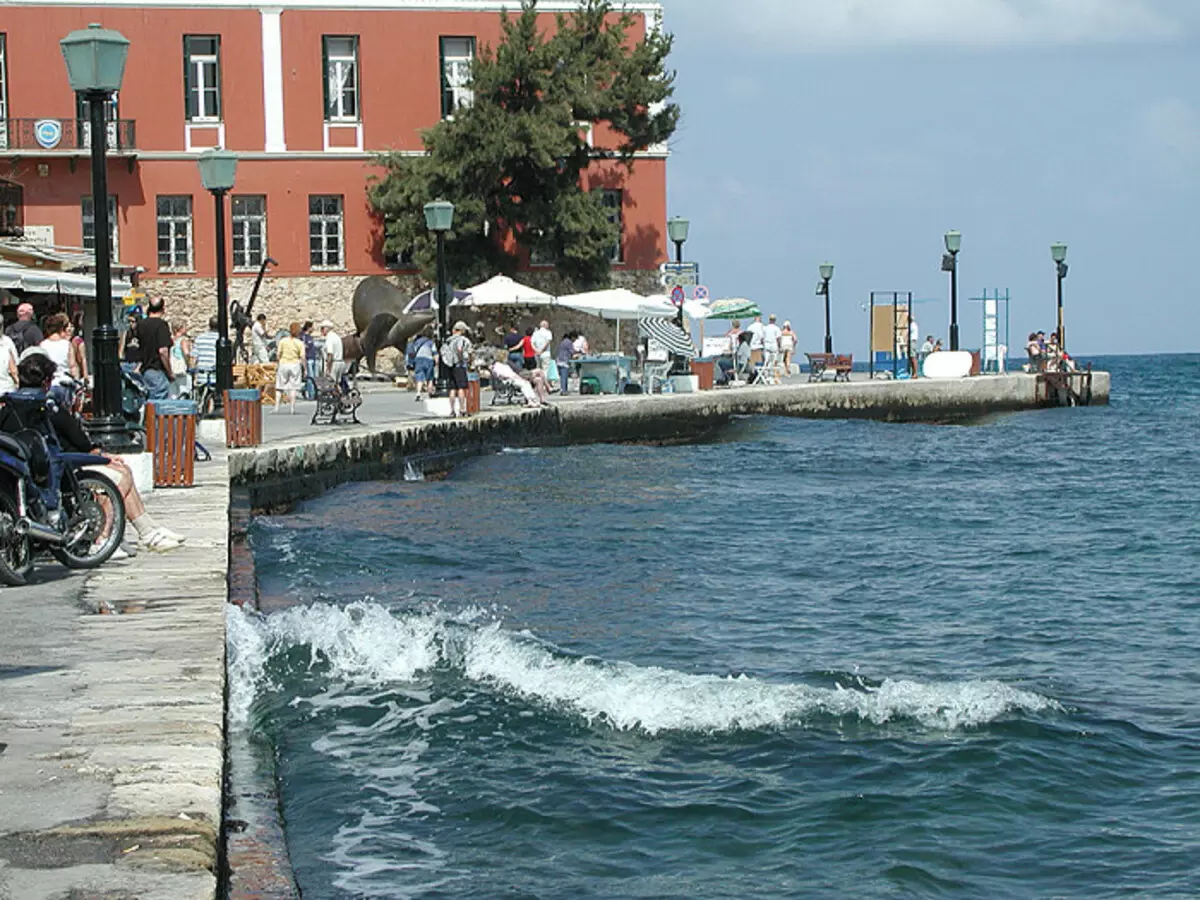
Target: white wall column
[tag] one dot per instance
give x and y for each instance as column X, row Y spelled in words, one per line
column 272, row 60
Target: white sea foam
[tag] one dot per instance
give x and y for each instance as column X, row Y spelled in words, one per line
column 364, row 644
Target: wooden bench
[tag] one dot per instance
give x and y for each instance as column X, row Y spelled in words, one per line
column 820, row 363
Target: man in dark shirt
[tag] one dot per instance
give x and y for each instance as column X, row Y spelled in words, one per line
column 24, row 332
column 154, row 337
column 512, row 343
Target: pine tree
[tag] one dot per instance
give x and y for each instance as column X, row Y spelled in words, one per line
column 512, row 161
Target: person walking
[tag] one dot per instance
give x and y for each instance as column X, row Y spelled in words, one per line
column 755, row 329
column 770, row 342
column 529, row 353
column 335, row 364
column 57, row 344
column 566, row 349
column 258, row 340
column 128, row 348
column 78, row 346
column 181, row 362
column 914, row 341
column 312, row 360
column 421, row 356
column 289, row 374
column 456, row 355
column 787, row 346
column 154, row 340
column 543, row 338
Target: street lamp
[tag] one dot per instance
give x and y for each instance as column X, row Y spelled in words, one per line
column 95, row 59
column 677, row 233
column 218, row 170
column 950, row 264
column 439, row 217
column 1059, row 253
column 826, row 270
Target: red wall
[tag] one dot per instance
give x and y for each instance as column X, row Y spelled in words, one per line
column 400, row 95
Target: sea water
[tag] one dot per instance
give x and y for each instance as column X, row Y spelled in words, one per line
column 806, row 659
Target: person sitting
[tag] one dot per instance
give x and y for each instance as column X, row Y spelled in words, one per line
column 503, row 372
column 541, row 384
column 35, row 374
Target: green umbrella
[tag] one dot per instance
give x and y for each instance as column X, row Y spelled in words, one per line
column 733, row 308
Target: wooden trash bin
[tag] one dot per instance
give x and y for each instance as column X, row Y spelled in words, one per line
column 171, row 438
column 703, row 370
column 472, row 394
column 243, row 418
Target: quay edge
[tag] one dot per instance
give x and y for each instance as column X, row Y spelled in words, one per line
column 279, row 474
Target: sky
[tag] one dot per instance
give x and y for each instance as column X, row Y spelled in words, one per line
column 859, row 131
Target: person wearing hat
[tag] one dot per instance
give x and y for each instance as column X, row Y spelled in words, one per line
column 456, row 356
column 25, row 332
column 332, row 353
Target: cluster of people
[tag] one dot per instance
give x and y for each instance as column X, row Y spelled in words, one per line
column 62, row 340
column 527, row 361
column 760, row 353
column 1047, row 354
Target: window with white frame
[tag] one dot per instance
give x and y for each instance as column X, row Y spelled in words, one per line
column 613, row 201
column 457, row 56
column 3, row 94
column 202, row 77
column 174, row 233
column 341, row 78
column 88, row 209
column 326, row 246
column 249, row 231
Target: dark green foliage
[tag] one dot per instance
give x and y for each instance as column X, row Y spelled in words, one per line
column 511, row 163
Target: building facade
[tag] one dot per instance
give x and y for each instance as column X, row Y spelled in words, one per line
column 305, row 93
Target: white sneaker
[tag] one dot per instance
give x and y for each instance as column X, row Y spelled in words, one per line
column 160, row 541
column 178, row 538
column 119, row 554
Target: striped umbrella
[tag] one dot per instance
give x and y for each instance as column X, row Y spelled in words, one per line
column 733, row 308
column 670, row 335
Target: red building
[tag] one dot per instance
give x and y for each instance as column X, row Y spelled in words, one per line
column 304, row 92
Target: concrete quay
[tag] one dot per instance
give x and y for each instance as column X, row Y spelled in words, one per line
column 112, row 716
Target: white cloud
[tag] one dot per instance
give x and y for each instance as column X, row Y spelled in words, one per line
column 807, row 25
column 1172, row 132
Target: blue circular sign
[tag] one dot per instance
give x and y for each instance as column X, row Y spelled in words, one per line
column 48, row 133
column 677, row 295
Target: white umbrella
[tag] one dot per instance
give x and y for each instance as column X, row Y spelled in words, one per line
column 503, row 291
column 618, row 304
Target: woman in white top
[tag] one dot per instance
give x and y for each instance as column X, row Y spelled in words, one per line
column 57, row 345
column 787, row 346
column 8, row 365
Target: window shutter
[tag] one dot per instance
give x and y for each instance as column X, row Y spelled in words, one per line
column 190, row 109
column 220, row 86
column 325, row 73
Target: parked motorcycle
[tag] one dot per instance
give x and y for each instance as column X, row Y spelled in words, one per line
column 51, row 499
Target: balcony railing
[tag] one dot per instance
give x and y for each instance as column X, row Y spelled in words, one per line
column 34, row 136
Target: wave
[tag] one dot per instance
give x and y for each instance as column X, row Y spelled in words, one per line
column 365, row 644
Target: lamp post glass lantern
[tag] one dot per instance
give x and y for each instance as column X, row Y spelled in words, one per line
column 439, row 218
column 1058, row 252
column 826, row 270
column 218, row 172
column 95, row 61
column 953, row 241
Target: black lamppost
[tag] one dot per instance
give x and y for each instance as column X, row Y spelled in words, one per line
column 823, row 291
column 95, row 59
column 677, row 233
column 1059, row 253
column 950, row 264
column 439, row 218
column 218, row 171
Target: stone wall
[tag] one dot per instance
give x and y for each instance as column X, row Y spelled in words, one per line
column 318, row 297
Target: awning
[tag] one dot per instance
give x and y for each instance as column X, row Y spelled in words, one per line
column 503, row 291
column 618, row 304
column 45, row 281
column 670, row 335
column 424, row 300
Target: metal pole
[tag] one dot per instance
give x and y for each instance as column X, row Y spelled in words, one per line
column 953, row 301
column 224, row 347
column 895, row 343
column 442, row 387
column 107, row 425
column 1062, row 335
column 871, row 339
column 908, row 338
column 828, row 335
column 679, row 364
column 679, row 251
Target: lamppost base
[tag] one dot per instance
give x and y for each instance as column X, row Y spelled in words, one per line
column 114, row 435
